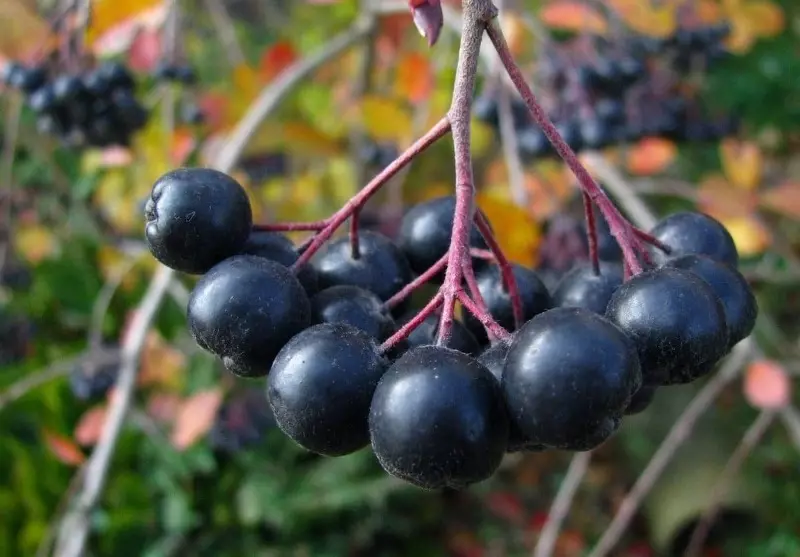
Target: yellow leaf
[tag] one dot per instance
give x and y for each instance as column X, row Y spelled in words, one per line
column 573, row 16
column 515, row 31
column 741, row 37
column 430, row 191
column 766, row 18
column 483, row 138
column 342, row 176
column 110, row 14
column 22, row 31
column 35, row 242
column 742, row 163
column 750, row 236
column 304, row 138
column 111, row 262
column 516, row 232
column 644, row 17
column 385, row 119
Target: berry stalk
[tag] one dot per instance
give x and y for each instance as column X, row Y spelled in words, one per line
column 291, row 226
column 486, row 319
column 591, row 233
column 506, row 271
column 356, row 202
column 477, row 15
column 403, row 332
column 620, row 228
column 422, row 279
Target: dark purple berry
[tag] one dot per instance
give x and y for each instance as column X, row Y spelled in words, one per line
column 688, row 233
column 354, row 306
column 437, row 419
column 584, row 288
column 244, row 310
column 425, row 334
column 641, row 400
column 568, row 377
column 321, row 385
column 279, row 248
column 196, row 217
column 676, row 321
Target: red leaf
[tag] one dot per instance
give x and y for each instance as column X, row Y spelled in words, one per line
column 276, row 59
column 163, row 407
column 505, row 505
column 415, row 78
column 195, row 417
column 767, row 385
column 183, row 144
column 537, row 521
column 214, row 106
column 63, row 448
column 145, row 51
column 88, row 430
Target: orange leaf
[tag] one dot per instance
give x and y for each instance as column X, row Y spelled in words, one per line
column 161, row 364
column 767, row 385
column 766, row 18
column 163, row 407
column 783, row 199
column 276, row 59
column 645, row 18
column 515, row 32
column 742, row 163
column 414, row 79
column 651, row 156
column 89, row 427
column 573, row 16
column 195, row 417
column 516, row 231
column 22, row 31
column 717, row 197
column 63, row 448
column 183, row 144
column 114, row 24
column 749, row 234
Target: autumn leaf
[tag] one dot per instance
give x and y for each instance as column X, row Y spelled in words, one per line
column 742, row 163
column 767, row 385
column 646, row 18
column 651, row 156
column 63, row 448
column 145, row 50
column 303, row 138
column 22, row 31
column 195, row 417
column 163, row 407
column 161, row 364
column 783, row 199
column 90, row 426
column 35, row 242
column 414, row 80
column 573, row 16
column 515, row 32
column 749, row 234
column 385, row 119
column 275, row 59
column 110, row 14
column 516, row 232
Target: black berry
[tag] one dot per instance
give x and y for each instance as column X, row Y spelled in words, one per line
column 676, row 322
column 196, row 217
column 321, row 385
column 582, row 287
column 245, row 310
column 689, row 233
column 425, row 334
column 569, row 376
column 641, row 400
column 738, row 301
column 277, row 247
column 354, row 306
column 437, row 419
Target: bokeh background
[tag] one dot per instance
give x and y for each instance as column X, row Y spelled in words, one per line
column 200, row 468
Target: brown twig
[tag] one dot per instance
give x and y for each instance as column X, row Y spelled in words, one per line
column 561, row 504
column 679, row 432
column 749, row 441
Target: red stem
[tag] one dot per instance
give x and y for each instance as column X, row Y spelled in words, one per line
column 290, row 226
column 506, row 269
column 409, row 327
column 355, row 250
column 482, row 254
column 477, row 297
column 620, row 228
column 358, row 200
column 652, row 240
column 415, row 284
column 492, row 327
column 591, row 233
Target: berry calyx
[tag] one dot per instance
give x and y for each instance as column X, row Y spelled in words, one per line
column 676, row 321
column 689, row 232
column 568, row 377
column 437, row 419
column 320, row 388
column 354, row 306
column 196, row 217
column 244, row 310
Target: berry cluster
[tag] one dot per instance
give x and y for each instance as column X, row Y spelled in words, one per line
column 241, row 422
column 603, row 91
column 90, row 380
column 97, row 108
column 183, row 75
column 348, row 364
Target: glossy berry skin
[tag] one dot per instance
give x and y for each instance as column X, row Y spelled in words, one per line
column 583, row 288
column 676, row 321
column 380, row 268
column 738, row 301
column 245, row 310
column 354, row 306
column 690, row 232
column 196, row 217
column 425, row 334
column 534, row 294
column 425, row 233
column 320, row 388
column 277, row 247
column 569, row 375
column 437, row 419
column 641, row 400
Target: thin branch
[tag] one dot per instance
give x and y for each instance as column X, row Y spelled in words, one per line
column 103, row 300
column 75, row 526
column 562, row 503
column 749, row 441
column 222, row 21
column 790, row 416
column 680, row 431
column 38, row 378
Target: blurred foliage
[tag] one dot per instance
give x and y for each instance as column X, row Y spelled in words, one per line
column 74, row 235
